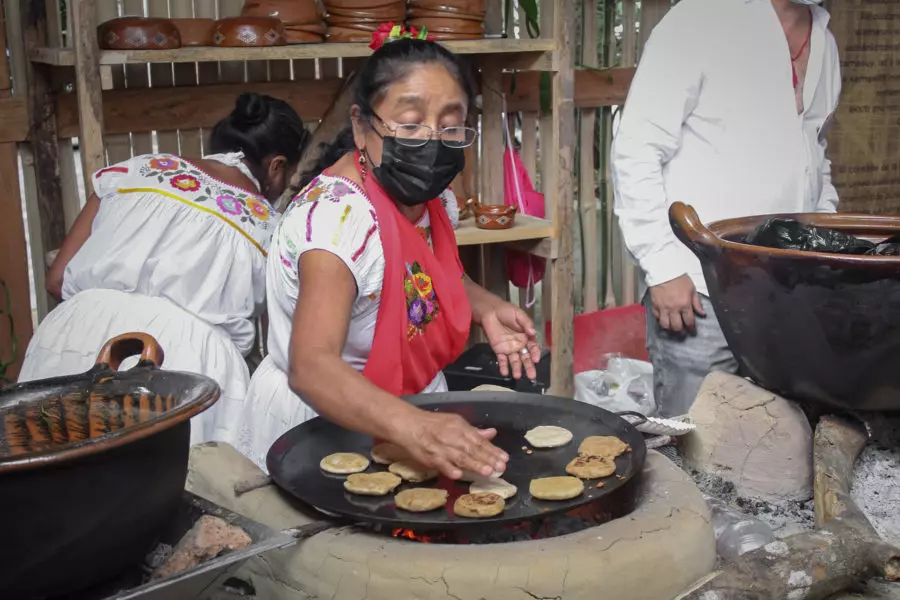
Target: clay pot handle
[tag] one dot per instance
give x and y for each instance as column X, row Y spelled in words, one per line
column 130, row 344
column 691, row 230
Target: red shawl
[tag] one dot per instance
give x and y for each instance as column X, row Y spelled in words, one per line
column 424, row 317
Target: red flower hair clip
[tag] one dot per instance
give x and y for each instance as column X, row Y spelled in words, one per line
column 389, row 31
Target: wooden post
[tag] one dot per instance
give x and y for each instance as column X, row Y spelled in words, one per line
column 42, row 123
column 88, row 87
column 587, row 185
column 557, row 158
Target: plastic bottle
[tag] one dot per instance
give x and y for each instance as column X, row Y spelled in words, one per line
column 736, row 533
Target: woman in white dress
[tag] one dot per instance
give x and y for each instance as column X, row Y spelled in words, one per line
column 367, row 298
column 176, row 248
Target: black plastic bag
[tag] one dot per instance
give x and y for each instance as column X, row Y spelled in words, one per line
column 788, row 234
column 889, row 247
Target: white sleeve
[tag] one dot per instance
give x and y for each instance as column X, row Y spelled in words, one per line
column 448, row 199
column 828, row 200
column 107, row 180
column 665, row 90
column 346, row 228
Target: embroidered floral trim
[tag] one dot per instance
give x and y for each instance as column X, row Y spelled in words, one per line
column 247, row 212
column 163, row 164
column 421, row 302
column 185, row 183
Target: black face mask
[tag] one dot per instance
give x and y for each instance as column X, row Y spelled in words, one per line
column 415, row 175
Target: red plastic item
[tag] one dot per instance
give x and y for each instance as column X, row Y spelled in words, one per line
column 622, row 330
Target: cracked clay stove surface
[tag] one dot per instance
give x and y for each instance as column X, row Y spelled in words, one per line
column 653, row 553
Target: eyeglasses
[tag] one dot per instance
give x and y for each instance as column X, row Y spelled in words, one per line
column 416, row 135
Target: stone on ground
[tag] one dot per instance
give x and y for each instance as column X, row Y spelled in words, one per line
column 752, row 438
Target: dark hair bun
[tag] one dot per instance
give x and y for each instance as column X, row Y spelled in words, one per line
column 250, row 110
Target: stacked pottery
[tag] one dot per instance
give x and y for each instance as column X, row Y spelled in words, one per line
column 448, row 19
column 356, row 20
column 301, row 19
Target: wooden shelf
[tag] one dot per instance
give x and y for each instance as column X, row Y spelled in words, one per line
column 64, row 57
column 525, row 228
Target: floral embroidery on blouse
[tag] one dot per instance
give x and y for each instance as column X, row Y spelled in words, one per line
column 421, row 301
column 179, row 179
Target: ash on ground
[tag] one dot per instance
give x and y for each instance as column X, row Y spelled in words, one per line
column 875, row 488
column 785, row 518
column 876, row 479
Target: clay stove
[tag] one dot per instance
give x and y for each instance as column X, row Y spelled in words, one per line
column 660, row 546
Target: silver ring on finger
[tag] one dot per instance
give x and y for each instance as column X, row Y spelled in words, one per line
column 524, row 352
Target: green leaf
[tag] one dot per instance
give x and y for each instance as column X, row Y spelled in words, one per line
column 532, row 22
column 201, row 199
column 160, row 178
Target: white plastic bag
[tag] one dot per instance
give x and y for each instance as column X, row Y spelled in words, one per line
column 625, row 385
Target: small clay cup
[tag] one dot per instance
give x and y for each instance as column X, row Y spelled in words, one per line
column 493, row 216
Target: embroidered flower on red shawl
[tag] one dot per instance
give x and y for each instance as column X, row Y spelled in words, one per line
column 163, row 164
column 229, row 204
column 185, row 183
column 421, row 301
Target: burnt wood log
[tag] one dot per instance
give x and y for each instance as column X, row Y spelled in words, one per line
column 843, row 550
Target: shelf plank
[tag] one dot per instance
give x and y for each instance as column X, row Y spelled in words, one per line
column 64, row 57
column 525, row 228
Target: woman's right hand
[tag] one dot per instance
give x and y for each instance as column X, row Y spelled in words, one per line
column 445, row 441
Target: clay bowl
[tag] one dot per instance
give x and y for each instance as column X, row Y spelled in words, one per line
column 422, row 13
column 467, row 7
column 493, row 216
column 91, row 466
column 458, row 26
column 303, row 37
column 289, row 12
column 392, row 12
column 345, row 35
column 249, row 31
column 196, row 32
column 339, row 19
column 367, row 26
column 359, row 4
column 138, row 33
column 814, row 327
column 454, row 37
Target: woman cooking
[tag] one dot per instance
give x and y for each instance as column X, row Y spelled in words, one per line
column 367, row 297
column 176, row 248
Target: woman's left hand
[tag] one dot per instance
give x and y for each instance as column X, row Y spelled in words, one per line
column 512, row 337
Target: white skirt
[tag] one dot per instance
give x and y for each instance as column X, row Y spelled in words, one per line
column 68, row 340
column 272, row 408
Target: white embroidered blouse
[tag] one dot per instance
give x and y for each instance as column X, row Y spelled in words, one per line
column 167, row 229
column 334, row 214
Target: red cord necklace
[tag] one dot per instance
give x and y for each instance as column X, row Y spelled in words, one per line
column 800, row 51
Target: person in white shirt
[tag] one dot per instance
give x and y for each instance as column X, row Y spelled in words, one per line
column 728, row 112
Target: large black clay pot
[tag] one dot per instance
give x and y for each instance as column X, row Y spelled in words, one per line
column 815, row 327
column 91, row 466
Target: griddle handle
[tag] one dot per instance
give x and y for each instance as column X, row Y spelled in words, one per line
column 130, row 344
column 641, row 419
